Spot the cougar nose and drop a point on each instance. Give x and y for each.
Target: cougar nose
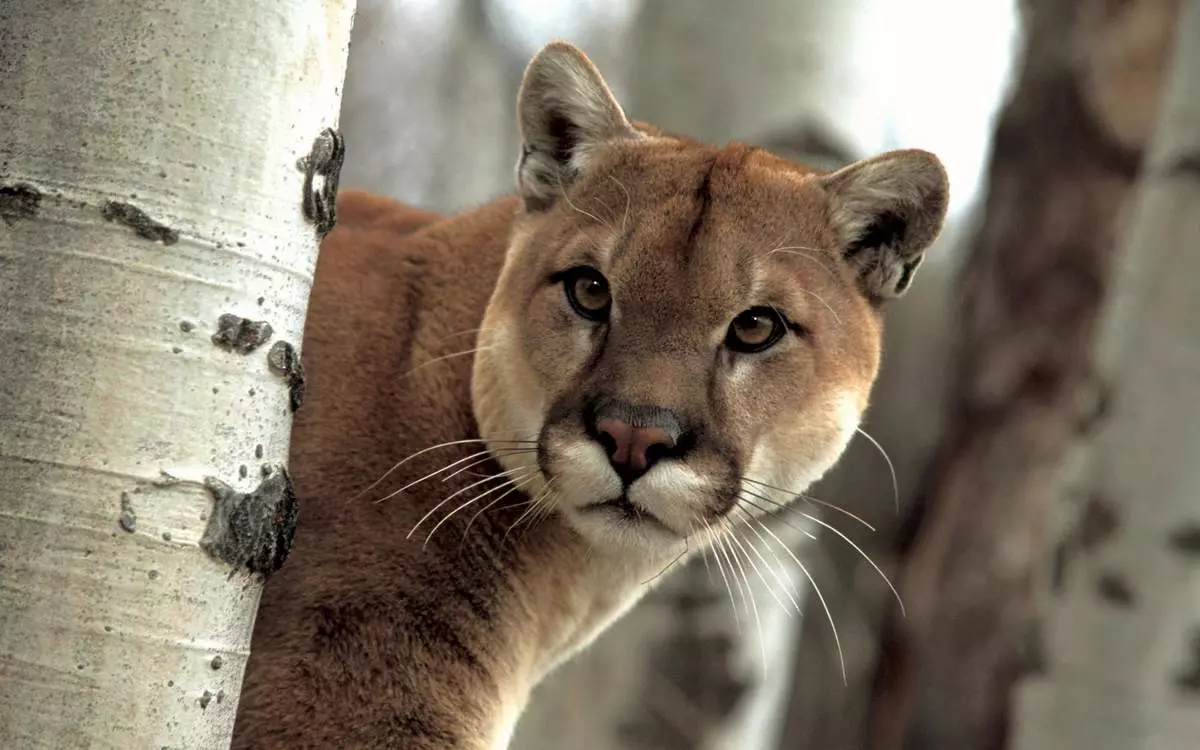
(635, 438)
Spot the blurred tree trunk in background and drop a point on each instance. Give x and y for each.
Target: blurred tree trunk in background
(1064, 171)
(1122, 632)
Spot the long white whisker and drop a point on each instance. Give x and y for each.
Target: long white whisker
(516, 486)
(724, 546)
(411, 456)
(762, 642)
(806, 498)
(445, 500)
(865, 556)
(891, 468)
(510, 483)
(508, 451)
(820, 597)
(498, 452)
(712, 540)
(787, 588)
(444, 357)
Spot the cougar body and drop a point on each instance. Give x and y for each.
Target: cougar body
(562, 393)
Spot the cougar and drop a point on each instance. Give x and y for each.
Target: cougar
(519, 417)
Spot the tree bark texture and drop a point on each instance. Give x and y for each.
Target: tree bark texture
(157, 242)
(1065, 165)
(1122, 630)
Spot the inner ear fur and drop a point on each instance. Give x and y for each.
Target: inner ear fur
(887, 210)
(564, 111)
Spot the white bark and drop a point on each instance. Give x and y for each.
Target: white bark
(185, 119)
(1121, 641)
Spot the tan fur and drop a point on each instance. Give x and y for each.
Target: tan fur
(368, 639)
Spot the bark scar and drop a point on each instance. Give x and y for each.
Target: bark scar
(252, 529)
(241, 335)
(285, 360)
(324, 160)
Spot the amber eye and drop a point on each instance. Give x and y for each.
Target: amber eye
(587, 291)
(755, 330)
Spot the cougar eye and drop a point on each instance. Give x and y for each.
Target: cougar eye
(587, 291)
(755, 330)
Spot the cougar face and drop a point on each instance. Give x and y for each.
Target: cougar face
(689, 333)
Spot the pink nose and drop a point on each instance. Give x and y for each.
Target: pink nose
(632, 450)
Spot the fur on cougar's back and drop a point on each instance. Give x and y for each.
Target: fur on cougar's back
(648, 332)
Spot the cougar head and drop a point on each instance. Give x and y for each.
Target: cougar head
(689, 332)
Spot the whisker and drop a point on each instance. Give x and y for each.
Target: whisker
(823, 302)
(820, 597)
(487, 455)
(445, 500)
(891, 468)
(669, 565)
(721, 568)
(780, 519)
(499, 452)
(625, 218)
(537, 501)
(447, 444)
(865, 556)
(510, 483)
(806, 498)
(794, 250)
(444, 357)
(517, 486)
(774, 570)
(563, 190)
(762, 642)
(733, 571)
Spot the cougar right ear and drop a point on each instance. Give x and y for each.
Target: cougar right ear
(564, 111)
(888, 209)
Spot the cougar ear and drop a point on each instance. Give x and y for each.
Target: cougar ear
(564, 110)
(888, 209)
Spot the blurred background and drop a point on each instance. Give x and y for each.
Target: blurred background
(1028, 480)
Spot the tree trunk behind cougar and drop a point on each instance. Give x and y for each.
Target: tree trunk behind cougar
(155, 264)
(1123, 629)
(1064, 174)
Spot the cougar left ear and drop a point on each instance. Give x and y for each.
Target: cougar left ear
(565, 110)
(888, 209)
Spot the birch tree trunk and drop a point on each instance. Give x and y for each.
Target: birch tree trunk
(1123, 633)
(157, 241)
(1064, 173)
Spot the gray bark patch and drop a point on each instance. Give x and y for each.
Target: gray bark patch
(1115, 589)
(241, 335)
(285, 360)
(19, 201)
(127, 519)
(140, 222)
(252, 529)
(324, 161)
(1186, 540)
(1188, 679)
(1187, 165)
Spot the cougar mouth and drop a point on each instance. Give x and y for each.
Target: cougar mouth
(626, 510)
